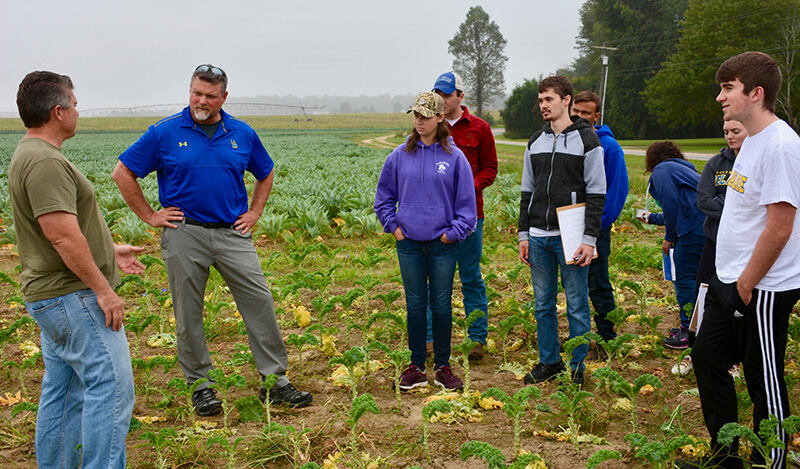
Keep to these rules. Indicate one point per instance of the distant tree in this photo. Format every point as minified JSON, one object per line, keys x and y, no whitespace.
{"x":479,"y":59}
{"x":521,"y":115}
{"x":645,"y":32}
{"x":683,"y":90}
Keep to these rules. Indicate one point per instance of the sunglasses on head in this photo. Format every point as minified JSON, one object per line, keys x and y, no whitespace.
{"x":209,"y":68}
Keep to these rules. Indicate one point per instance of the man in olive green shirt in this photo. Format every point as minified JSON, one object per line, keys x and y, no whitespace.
{"x":68,"y":273}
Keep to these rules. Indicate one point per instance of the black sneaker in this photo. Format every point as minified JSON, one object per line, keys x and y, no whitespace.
{"x":286,"y":394}
{"x":541,"y":373}
{"x":206,"y":403}
{"x":679,"y":341}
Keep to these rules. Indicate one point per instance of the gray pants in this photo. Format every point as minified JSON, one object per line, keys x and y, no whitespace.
{"x":188,"y":251}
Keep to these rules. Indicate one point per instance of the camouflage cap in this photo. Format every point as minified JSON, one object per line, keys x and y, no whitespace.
{"x":428,"y":104}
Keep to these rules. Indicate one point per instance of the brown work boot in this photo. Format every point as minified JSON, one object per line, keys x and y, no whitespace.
{"x":476,"y":353}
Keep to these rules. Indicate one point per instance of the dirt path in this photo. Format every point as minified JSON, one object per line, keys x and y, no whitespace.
{"x":379,"y":142}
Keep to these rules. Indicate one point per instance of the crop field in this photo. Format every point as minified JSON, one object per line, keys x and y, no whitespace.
{"x":340,"y":305}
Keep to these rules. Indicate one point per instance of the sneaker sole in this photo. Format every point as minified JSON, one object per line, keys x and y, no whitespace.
{"x":436,"y":382}
{"x":415,"y":385}
{"x":208,"y":413}
{"x":677,"y":347}
{"x":296,"y":405}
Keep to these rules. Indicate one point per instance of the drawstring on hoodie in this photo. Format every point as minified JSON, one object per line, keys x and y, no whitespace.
{"x":422,"y":162}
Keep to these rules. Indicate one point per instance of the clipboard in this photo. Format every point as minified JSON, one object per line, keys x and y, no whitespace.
{"x":571,"y":223}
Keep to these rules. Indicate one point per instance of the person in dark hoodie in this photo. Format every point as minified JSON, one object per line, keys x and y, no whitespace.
{"x":426,"y":199}
{"x":711,"y":193}
{"x":710,"y":200}
{"x":673,"y":185}
{"x":563,"y":165}
{"x":587,"y":106}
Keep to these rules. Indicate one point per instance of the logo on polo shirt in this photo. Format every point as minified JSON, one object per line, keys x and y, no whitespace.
{"x":183,"y":144}
{"x":233,"y":144}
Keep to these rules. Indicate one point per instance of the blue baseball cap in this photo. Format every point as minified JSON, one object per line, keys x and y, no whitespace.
{"x":448,"y":82}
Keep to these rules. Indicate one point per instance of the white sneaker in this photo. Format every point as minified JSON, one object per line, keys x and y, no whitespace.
{"x":684,"y":367}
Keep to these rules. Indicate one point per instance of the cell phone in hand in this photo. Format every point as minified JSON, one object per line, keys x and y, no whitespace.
{"x":641,"y":214}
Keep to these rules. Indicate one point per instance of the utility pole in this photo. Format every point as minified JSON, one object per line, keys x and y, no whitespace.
{"x":604,"y":80}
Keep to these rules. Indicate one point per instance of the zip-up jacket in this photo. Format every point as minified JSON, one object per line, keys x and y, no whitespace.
{"x":559,"y":170}
{"x":711,"y":190}
{"x":674,"y":186}
{"x":427,"y":193}
{"x":616,"y":177}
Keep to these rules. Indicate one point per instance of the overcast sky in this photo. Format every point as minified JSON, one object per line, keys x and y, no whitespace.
{"x":143,"y":52}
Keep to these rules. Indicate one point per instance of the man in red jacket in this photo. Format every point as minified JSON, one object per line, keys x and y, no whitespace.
{"x":474,"y":137}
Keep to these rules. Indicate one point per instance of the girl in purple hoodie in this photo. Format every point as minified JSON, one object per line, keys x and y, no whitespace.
{"x":426,"y":199}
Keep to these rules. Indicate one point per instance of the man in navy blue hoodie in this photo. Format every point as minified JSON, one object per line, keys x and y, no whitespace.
{"x":587,"y":106}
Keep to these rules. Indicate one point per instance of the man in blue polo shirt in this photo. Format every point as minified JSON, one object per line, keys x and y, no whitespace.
{"x":200,"y":156}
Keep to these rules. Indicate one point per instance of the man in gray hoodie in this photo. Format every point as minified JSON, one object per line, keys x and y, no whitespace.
{"x":563,"y":165}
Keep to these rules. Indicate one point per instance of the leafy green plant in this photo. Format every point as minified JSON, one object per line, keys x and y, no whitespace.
{"x":659,"y":454}
{"x":572,"y":401}
{"x":145,"y":367}
{"x":388,"y":298}
{"x":515,"y":407}
{"x":504,"y":328}
{"x":137,"y":326}
{"x":23,"y":366}
{"x":428,"y":411}
{"x":300,"y":341}
{"x":399,"y":359}
{"x":494,"y":457}
{"x":602,"y":456}
{"x":467,"y":344}
{"x":181,"y":388}
{"x":230,"y":448}
{"x":8,"y":332}
{"x":619,"y":347}
{"x":160,"y":440}
{"x":627,"y":389}
{"x":396,"y":320}
{"x":268,"y":383}
{"x":223,"y":383}
{"x":360,"y":405}
{"x":767,"y":438}
{"x":372,"y":257}
{"x":351,"y":358}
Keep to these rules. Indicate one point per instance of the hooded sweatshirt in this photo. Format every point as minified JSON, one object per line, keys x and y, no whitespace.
{"x":674,"y":186}
{"x":616,"y":177}
{"x":711,"y":190}
{"x":427,"y":193}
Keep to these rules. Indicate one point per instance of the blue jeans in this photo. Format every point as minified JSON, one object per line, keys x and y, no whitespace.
{"x":546,"y":256}
{"x":600,"y":290}
{"x":87,"y":389}
{"x":427,"y":268}
{"x":688,"y":250}
{"x":470,"y":252}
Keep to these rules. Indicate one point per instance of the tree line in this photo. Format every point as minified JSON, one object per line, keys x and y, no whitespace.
{"x":661,"y":75}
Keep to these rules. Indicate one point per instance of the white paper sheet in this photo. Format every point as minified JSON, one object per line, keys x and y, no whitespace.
{"x":571,"y":222}
{"x":699,"y":308}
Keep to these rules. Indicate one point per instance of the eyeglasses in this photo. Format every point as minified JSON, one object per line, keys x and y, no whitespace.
{"x":210,"y":68}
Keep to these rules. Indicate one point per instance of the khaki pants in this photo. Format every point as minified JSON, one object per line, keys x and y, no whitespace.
{"x":188,"y":251}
